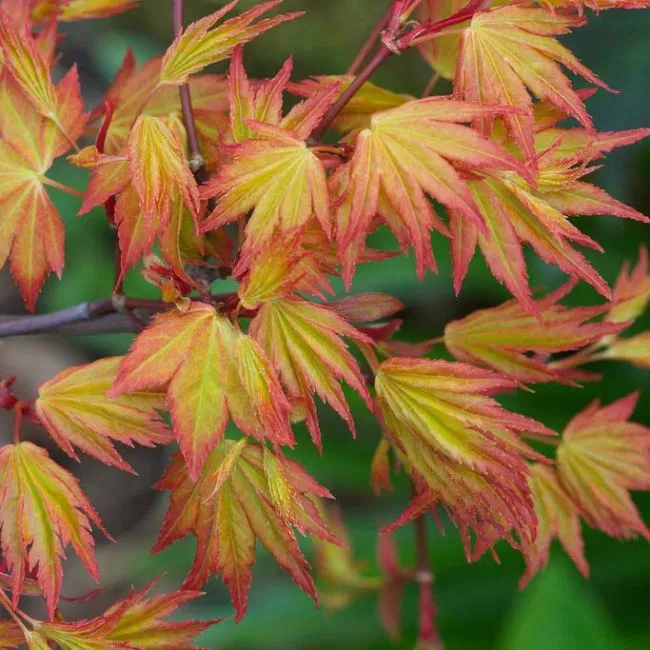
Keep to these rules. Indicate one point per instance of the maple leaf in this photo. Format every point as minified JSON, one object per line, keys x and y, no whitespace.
{"x":440,"y":53}
{"x":11,"y":636}
{"x":261,"y":102}
{"x":233,"y":503}
{"x":602,"y":457}
{"x":27,"y":65}
{"x":412,"y":150}
{"x":557,"y":516}
{"x":210,"y":371}
{"x":135,"y":92}
{"x":31,"y":232}
{"x":502,"y":337}
{"x":515,"y":212}
{"x":631,"y":294}
{"x":356,"y":114}
{"x":303,"y":340}
{"x":76,"y":412}
{"x":199,"y":46}
{"x":72,"y":10}
{"x":42,"y":509}
{"x":507,"y":50}
{"x":635,"y":350}
{"x":462,"y":449}
{"x":136,"y":623}
{"x":158,"y":167}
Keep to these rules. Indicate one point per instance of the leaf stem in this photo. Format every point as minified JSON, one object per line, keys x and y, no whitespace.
{"x":64,"y":188}
{"x":369,"y":43}
{"x":547,"y":440}
{"x":18,"y":421}
{"x":428,"y":636}
{"x":197,"y":162}
{"x":381,"y":55}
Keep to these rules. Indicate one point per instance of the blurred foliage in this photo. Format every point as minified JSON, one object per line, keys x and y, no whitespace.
{"x":480,"y":606}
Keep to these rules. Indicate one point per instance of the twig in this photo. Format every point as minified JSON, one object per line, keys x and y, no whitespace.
{"x":382,"y":54}
{"x":428,"y":636}
{"x":197,"y":162}
{"x":370,"y":42}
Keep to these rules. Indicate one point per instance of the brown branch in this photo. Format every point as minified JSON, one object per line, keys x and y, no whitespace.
{"x":381,"y":55}
{"x":197,"y":162}
{"x":428,"y":636}
{"x":370,"y":42}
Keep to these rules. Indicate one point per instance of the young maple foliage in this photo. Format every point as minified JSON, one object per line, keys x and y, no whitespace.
{"x":213,"y":175}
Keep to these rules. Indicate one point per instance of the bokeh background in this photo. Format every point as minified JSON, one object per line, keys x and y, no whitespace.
{"x":480,"y":605}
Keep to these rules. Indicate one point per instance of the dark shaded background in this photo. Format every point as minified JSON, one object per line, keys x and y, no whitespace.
{"x":480,"y":606}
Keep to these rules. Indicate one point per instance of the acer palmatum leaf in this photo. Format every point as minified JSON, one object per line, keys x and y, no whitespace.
{"x":135,"y":623}
{"x":631,"y":293}
{"x":75,"y":410}
{"x":558,"y":516}
{"x":31,"y":232}
{"x":414,"y":150}
{"x":42,"y":510}
{"x":199,"y":46}
{"x":179,"y":352}
{"x":463,"y":450}
{"x":158,"y":168}
{"x":357,"y":113}
{"x":236,"y":501}
{"x":11,"y":635}
{"x":502,"y":338}
{"x":634,"y":350}
{"x":507,"y":51}
{"x":603,"y":456}
{"x":304,"y":342}
{"x":72,"y":10}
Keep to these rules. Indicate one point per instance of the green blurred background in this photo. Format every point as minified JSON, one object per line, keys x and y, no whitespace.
{"x":480,"y":605}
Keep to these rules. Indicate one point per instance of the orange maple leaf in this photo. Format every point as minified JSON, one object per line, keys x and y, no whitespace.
{"x":502,"y":337}
{"x":304,"y":342}
{"x":158,"y":168}
{"x":42,"y":510}
{"x":11,"y":635}
{"x":30,"y":228}
{"x":415,"y":149}
{"x":75,"y":410}
{"x":72,"y":10}
{"x":515,"y":212}
{"x":557,"y":516}
{"x":199,"y":46}
{"x":507,"y":50}
{"x":463,"y":450}
{"x":136,"y":623}
{"x":211,"y":371}
{"x":236,"y":500}
{"x":602,"y":457}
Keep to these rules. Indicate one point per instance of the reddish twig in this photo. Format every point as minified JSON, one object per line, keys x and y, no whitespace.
{"x":428,"y":635}
{"x":370,"y":42}
{"x":197,"y":162}
{"x":382,"y":54}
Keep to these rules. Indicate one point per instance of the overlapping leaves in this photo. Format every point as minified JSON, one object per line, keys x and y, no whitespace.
{"x":211,"y":372}
{"x":303,"y":340}
{"x":463,"y":450}
{"x":75,"y":410}
{"x":244,"y":493}
{"x":135,"y":623}
{"x":42,"y":510}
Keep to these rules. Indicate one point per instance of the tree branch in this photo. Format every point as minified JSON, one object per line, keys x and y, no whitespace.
{"x":382,"y":54}
{"x":370,"y":42}
{"x":197,"y":162}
